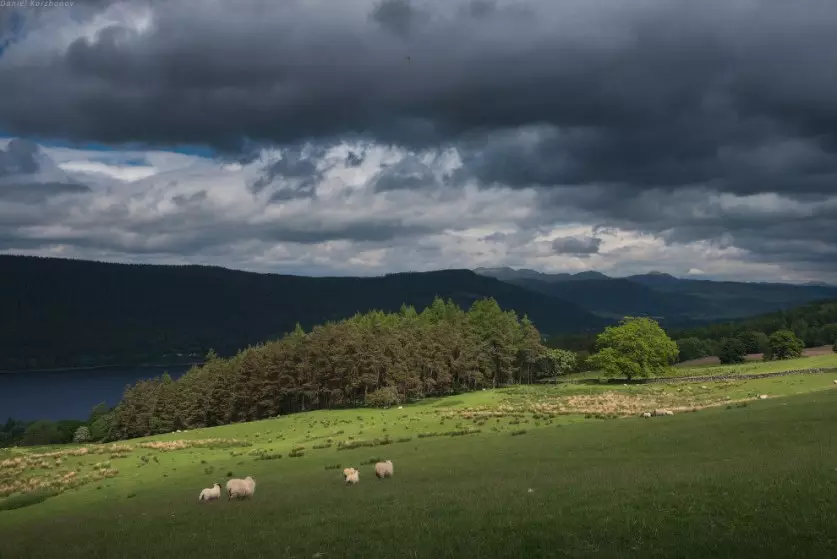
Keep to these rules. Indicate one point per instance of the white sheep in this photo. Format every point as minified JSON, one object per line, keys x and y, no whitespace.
{"x":762,"y":396}
{"x":383,"y":469}
{"x":239,"y":488}
{"x":835,"y":381}
{"x":663,"y":412}
{"x":351,"y":475}
{"x":646,"y":414}
{"x":211,"y":493}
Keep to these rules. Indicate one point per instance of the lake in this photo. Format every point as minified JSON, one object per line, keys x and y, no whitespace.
{"x":72,"y":393}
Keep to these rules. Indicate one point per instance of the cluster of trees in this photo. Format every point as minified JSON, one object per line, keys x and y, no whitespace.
{"x":776,"y":335}
{"x":814,"y":325}
{"x":375,"y":358}
{"x":43,"y":432}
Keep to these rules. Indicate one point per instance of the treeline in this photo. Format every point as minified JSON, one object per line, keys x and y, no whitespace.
{"x":373,"y":359}
{"x":97,"y":427}
{"x":814,"y":324}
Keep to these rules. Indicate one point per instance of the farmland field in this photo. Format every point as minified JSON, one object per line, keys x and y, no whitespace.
{"x":557,"y":471}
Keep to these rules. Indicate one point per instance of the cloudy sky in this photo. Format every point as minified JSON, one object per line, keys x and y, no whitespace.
{"x":369,"y":136}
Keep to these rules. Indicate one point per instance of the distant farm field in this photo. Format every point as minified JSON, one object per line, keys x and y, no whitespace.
{"x":554,"y":471}
{"x":713,"y":360}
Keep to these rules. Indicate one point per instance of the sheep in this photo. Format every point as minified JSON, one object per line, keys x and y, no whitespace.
{"x":211,"y":493}
{"x":835,"y":381}
{"x":351,"y":476}
{"x":762,"y":396}
{"x":663,"y":412}
{"x":383,"y":469}
{"x":646,"y":414}
{"x":238,"y":488}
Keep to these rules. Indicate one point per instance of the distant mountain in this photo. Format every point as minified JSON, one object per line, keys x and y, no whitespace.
{"x":616,"y":297}
{"x":673,"y":301}
{"x":509,"y":274}
{"x":58,"y":312}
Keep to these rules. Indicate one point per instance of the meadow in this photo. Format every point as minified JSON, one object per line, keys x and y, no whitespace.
{"x":558,"y":471}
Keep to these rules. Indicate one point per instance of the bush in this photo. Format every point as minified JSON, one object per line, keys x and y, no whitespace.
{"x":383,"y":397}
{"x":82,"y":435}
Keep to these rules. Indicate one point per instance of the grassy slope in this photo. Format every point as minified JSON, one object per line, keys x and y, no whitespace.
{"x":754,"y":481}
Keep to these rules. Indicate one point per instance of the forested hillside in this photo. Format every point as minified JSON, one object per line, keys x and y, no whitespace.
{"x":63,"y":313}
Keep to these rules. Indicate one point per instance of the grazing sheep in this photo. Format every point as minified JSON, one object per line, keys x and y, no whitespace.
{"x":351,"y":475}
{"x":383,"y":469}
{"x":239,"y":488}
{"x":646,"y":414}
{"x":663,"y":412}
{"x":211,"y":493}
{"x":762,"y":396}
{"x":835,"y":381}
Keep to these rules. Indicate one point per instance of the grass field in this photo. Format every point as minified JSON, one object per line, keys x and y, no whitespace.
{"x":517,"y":472}
{"x":818,"y":360}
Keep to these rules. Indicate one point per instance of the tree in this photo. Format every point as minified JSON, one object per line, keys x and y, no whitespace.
{"x":784,"y":345}
{"x":638,"y":347}
{"x":692,"y":348}
{"x":732,"y":351}
{"x":82,"y":435}
{"x":41,"y":433}
{"x":557,"y":362}
{"x":754,"y":341}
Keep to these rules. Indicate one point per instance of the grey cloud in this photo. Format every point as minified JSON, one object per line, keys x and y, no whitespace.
{"x":409,"y":173}
{"x":579,"y":245}
{"x":396,"y":16}
{"x":184,"y":200}
{"x":18,"y":158}
{"x":35,"y":193}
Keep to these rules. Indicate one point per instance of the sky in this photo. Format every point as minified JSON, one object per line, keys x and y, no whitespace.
{"x":361,"y":137}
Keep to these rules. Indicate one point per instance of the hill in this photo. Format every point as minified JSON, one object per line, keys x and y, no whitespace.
{"x":617,"y":297}
{"x":756,"y":481}
{"x":674,"y":302}
{"x":62,"y":313}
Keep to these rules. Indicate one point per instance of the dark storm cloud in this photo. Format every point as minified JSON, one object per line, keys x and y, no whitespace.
{"x":637,"y":90}
{"x":578,"y":245}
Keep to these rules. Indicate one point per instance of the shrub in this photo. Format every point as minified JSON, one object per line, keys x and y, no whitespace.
{"x":518,"y":433}
{"x":271,"y":456}
{"x":296,"y":454}
{"x":82,"y":435}
{"x":333,"y":467}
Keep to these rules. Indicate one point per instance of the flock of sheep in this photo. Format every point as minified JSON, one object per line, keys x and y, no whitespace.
{"x":245,"y":488}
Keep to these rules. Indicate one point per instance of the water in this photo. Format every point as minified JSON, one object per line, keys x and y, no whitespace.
{"x":69,"y":394}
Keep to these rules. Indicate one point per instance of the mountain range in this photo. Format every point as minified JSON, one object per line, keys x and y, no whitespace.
{"x":66,"y":313}
{"x":673,"y":301}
